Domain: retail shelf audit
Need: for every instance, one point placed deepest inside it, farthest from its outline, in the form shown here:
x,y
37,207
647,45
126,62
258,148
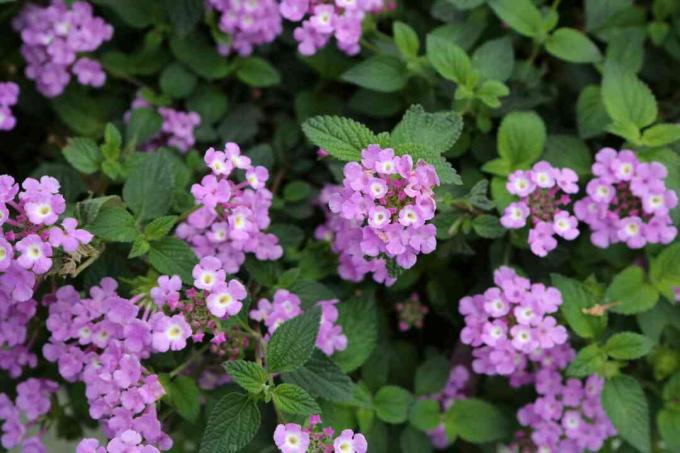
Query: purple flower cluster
x,y
22,415
232,216
223,298
54,39
384,207
411,313
286,305
101,340
628,201
454,389
566,417
9,95
322,20
248,24
293,438
544,195
509,324
176,131
28,239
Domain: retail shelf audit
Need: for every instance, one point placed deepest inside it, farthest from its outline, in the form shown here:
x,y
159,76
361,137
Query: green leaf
x,y
114,224
626,47
135,13
380,73
521,15
209,102
292,343
588,361
200,55
176,81
661,134
248,375
568,151
575,297
296,191
431,375
406,39
626,98
184,14
668,422
232,424
144,123
182,394
112,142
292,399
495,59
488,226
257,72
476,421
392,404
447,174
172,256
521,138
341,137
489,92
412,441
438,132
424,414
630,292
322,378
139,247
159,228
358,318
626,406
148,189
664,271
571,45
83,155
628,346
591,116
88,210
449,60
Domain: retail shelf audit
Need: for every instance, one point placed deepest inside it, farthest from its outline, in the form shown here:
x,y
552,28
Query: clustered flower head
x,y
101,340
509,323
232,216
293,438
22,415
628,201
384,207
322,20
544,196
247,23
176,131
411,313
54,39
29,235
9,95
566,417
286,305
454,389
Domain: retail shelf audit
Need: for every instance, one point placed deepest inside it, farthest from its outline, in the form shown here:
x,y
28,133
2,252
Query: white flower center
x,y
173,332
208,278
603,191
632,229
626,169
34,252
224,299
378,190
239,221
292,440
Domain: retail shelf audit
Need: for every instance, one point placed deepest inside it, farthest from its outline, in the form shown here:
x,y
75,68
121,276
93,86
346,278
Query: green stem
x,y
197,353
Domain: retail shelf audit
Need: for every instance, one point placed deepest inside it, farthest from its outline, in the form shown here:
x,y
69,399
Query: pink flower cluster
x,y
293,438
22,415
544,195
322,20
286,305
248,24
454,389
9,95
411,313
383,207
28,239
232,215
566,417
176,131
101,340
628,201
224,299
54,39
509,324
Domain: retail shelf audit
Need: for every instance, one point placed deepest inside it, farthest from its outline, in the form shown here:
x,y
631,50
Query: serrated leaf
x,y
575,297
322,378
626,406
159,228
249,375
449,60
342,137
172,256
148,189
591,116
292,399
588,361
358,318
232,424
83,155
114,224
630,293
626,98
436,131
292,343
628,346
183,394
664,270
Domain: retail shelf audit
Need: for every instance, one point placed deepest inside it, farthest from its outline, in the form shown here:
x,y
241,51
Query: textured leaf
x,y
382,73
626,98
148,189
322,378
576,297
628,346
292,343
630,292
449,60
83,155
476,421
521,138
341,137
626,406
436,131
248,375
292,399
232,424
172,256
114,224
358,319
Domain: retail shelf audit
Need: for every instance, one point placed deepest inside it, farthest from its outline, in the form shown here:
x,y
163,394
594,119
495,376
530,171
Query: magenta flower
x,y
208,273
225,299
70,237
349,442
290,438
169,333
35,254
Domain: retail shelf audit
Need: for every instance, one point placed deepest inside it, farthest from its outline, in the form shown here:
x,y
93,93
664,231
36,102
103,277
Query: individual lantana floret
x,y
628,201
385,203
30,242
286,305
247,24
544,197
54,40
509,323
324,20
9,94
176,131
232,216
293,438
411,313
